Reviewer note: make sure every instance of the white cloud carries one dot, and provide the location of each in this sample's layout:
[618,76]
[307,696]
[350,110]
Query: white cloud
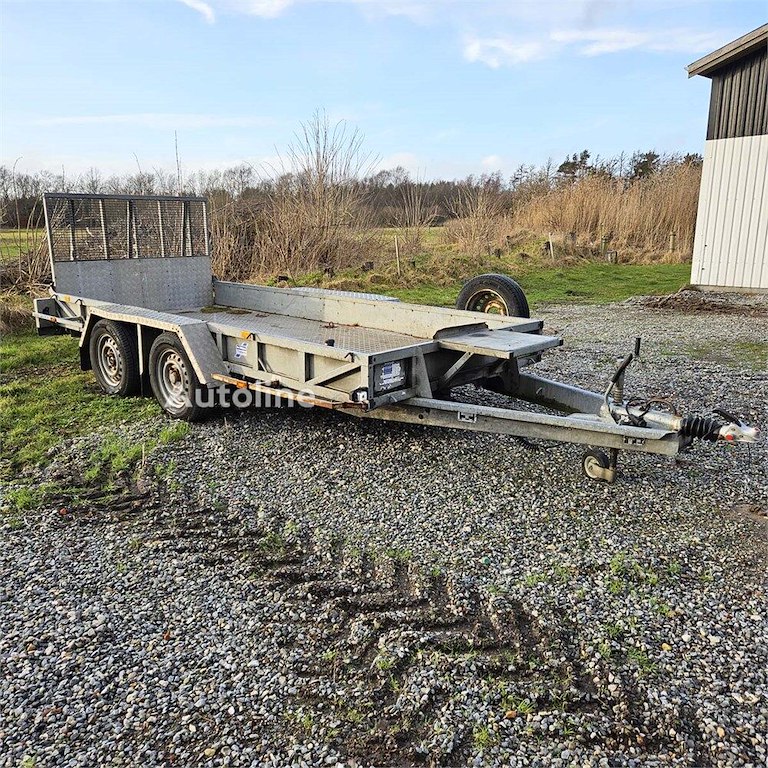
[160,121]
[499,51]
[406,160]
[492,162]
[267,9]
[600,40]
[612,40]
[503,50]
[270,9]
[202,8]
[415,11]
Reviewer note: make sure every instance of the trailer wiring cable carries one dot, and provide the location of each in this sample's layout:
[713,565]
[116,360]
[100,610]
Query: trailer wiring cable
[645,405]
[727,415]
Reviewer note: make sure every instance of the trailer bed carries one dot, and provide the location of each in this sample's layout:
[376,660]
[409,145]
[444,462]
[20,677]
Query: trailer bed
[354,338]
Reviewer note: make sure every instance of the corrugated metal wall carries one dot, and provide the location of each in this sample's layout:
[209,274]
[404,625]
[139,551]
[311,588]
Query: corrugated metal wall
[739,102]
[731,246]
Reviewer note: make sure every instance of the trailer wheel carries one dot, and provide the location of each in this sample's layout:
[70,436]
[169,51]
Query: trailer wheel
[493,294]
[173,378]
[592,462]
[113,349]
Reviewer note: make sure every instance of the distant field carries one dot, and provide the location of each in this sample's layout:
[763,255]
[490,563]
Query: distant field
[13,241]
[588,284]
[430,236]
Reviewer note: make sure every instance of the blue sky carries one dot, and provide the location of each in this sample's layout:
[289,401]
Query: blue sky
[442,87]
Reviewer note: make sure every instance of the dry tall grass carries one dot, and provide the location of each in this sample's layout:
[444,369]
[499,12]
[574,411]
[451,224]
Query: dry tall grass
[15,313]
[321,211]
[479,220]
[29,269]
[638,215]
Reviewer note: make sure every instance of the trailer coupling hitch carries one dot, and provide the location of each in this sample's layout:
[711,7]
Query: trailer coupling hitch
[712,428]
[720,425]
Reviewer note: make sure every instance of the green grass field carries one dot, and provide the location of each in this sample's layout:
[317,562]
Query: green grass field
[45,398]
[13,241]
[589,283]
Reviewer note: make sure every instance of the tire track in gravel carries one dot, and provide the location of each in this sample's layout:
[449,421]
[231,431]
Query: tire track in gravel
[381,614]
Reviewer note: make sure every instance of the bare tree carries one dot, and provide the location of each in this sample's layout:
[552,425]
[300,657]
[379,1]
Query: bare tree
[415,215]
[315,214]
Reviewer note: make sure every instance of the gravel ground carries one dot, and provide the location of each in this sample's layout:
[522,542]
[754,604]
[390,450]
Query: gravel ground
[295,587]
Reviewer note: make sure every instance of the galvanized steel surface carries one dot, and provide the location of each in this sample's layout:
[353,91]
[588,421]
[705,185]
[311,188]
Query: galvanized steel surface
[348,337]
[160,284]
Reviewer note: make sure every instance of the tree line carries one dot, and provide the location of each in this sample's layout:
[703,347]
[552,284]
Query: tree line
[390,197]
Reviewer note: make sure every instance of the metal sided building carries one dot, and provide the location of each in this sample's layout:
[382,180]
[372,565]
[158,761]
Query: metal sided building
[731,243]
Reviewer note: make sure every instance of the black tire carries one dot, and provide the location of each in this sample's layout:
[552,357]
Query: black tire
[113,349]
[173,379]
[493,294]
[592,458]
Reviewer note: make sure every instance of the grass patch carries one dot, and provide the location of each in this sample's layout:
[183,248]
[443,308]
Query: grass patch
[25,499]
[273,545]
[14,242]
[45,398]
[747,354]
[113,456]
[399,555]
[588,283]
[532,579]
[483,738]
[385,662]
[27,353]
[640,660]
[174,432]
[510,702]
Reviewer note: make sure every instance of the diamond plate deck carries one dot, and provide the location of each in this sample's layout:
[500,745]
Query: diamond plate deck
[499,343]
[365,341]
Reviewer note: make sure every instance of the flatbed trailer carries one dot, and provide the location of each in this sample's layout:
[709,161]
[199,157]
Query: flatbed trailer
[132,279]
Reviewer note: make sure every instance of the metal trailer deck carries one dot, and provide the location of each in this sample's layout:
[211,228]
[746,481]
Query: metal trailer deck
[132,279]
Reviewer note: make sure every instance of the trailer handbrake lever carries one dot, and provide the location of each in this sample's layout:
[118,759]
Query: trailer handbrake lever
[617,380]
[620,370]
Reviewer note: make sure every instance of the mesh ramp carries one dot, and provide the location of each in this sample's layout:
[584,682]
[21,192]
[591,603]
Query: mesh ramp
[126,249]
